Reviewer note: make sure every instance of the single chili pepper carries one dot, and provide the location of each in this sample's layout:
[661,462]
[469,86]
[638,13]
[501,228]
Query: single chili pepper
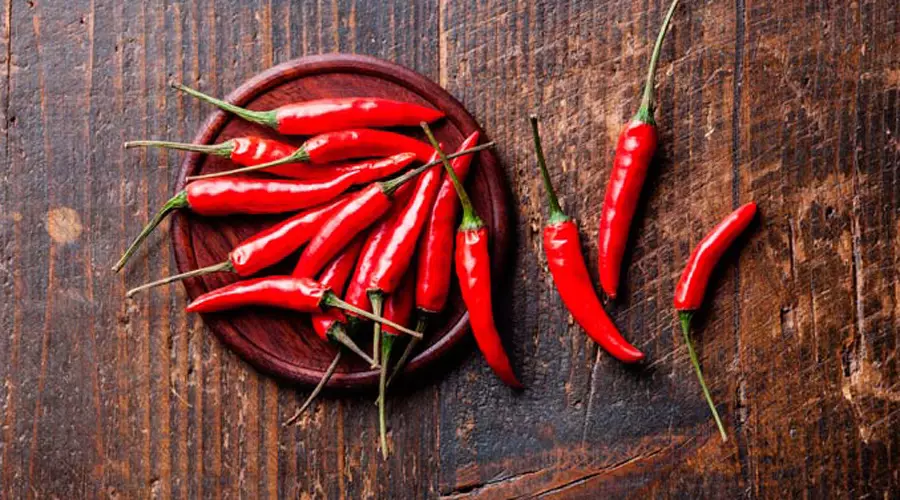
[251,151]
[285,292]
[339,146]
[473,269]
[692,285]
[634,151]
[367,206]
[328,115]
[435,256]
[562,245]
[398,308]
[396,251]
[246,151]
[243,196]
[331,323]
[266,248]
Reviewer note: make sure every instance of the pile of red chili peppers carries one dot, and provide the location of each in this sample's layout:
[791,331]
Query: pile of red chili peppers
[378,239]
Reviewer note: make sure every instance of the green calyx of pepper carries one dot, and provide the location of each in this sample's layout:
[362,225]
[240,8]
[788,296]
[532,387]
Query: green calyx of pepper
[648,104]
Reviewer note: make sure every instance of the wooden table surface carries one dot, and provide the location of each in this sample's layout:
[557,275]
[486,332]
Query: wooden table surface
[792,103]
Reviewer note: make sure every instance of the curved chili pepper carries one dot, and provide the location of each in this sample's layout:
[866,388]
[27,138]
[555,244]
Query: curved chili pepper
[330,324]
[285,292]
[398,308]
[343,145]
[692,285]
[473,269]
[635,149]
[244,196]
[434,263]
[330,114]
[562,245]
[266,248]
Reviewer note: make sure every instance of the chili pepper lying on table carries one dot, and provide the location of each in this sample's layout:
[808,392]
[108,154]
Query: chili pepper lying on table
[244,196]
[634,151]
[692,285]
[339,146]
[562,245]
[251,151]
[398,308]
[332,323]
[434,263]
[330,114]
[286,292]
[473,269]
[265,248]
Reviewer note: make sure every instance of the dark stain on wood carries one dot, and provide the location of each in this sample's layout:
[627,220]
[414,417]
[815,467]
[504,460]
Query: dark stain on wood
[792,103]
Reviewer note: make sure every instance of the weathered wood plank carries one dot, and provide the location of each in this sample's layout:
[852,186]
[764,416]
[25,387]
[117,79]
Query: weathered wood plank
[792,103]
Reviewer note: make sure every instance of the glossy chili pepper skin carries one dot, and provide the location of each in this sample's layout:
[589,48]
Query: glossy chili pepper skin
[302,295]
[328,114]
[271,246]
[260,196]
[398,306]
[473,270]
[357,289]
[366,171]
[248,151]
[635,149]
[335,276]
[562,245]
[434,264]
[367,206]
[400,245]
[695,277]
[362,143]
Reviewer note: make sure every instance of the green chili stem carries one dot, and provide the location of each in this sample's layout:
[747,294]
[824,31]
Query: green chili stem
[556,212]
[321,385]
[339,335]
[410,346]
[645,112]
[470,219]
[685,318]
[267,118]
[176,202]
[386,343]
[377,300]
[332,300]
[224,149]
[215,268]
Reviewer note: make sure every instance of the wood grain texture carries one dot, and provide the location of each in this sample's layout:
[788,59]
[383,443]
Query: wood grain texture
[792,103]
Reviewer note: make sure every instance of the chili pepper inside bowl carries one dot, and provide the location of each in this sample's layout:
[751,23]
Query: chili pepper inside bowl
[282,342]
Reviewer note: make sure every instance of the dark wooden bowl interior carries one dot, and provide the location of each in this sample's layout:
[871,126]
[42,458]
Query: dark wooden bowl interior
[281,342]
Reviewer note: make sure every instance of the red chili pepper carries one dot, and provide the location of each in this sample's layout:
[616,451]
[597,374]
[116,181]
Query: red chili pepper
[435,257]
[331,323]
[327,115]
[344,145]
[398,308]
[396,249]
[285,292]
[252,151]
[635,149]
[265,248]
[473,269]
[244,196]
[246,151]
[562,245]
[692,285]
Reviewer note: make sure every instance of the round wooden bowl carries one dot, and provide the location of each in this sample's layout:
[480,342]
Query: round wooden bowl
[282,342]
